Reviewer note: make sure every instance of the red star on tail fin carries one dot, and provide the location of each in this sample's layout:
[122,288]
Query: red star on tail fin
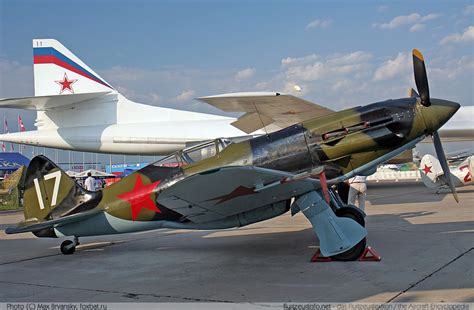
[65,83]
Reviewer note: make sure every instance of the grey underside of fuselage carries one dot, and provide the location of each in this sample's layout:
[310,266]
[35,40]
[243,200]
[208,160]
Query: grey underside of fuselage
[106,224]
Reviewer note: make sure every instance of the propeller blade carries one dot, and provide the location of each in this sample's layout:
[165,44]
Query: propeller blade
[444,164]
[421,79]
[412,93]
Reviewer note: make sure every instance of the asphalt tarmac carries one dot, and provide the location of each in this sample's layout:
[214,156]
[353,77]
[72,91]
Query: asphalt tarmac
[426,242]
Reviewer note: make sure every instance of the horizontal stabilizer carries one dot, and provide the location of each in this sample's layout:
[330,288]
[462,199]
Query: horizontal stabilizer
[44,103]
[36,226]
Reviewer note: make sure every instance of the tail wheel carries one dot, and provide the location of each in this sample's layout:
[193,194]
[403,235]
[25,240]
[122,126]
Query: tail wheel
[355,252]
[68,247]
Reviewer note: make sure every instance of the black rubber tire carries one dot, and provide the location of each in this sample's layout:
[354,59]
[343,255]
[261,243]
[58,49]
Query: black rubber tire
[352,254]
[353,213]
[66,251]
[356,251]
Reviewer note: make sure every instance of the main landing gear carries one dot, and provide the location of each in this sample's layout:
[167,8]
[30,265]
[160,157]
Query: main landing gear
[354,213]
[340,229]
[68,247]
[360,252]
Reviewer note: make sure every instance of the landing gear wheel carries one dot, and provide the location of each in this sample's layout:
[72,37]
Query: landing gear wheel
[352,254]
[68,247]
[355,252]
[352,213]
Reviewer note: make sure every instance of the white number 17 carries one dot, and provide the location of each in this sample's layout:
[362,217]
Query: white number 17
[57,176]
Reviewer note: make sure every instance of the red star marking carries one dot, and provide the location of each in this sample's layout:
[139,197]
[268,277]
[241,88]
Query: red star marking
[427,169]
[140,197]
[239,191]
[66,84]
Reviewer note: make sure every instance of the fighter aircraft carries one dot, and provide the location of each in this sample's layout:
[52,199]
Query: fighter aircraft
[218,185]
[433,176]
[78,110]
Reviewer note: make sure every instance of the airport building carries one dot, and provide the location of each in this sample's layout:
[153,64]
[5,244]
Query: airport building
[124,168]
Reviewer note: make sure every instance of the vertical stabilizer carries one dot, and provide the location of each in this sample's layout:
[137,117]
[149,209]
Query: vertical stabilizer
[431,170]
[49,193]
[57,71]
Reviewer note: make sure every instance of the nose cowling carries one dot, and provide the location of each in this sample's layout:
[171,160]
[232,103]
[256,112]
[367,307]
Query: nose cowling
[438,113]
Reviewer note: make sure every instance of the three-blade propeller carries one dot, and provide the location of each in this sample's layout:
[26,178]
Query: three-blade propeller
[421,81]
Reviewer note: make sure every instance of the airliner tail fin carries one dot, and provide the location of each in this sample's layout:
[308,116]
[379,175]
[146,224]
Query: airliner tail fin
[57,71]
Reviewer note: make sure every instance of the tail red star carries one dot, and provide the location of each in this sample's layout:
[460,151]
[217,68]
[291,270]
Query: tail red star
[66,84]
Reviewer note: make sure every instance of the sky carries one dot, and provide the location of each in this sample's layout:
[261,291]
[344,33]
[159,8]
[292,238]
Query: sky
[165,53]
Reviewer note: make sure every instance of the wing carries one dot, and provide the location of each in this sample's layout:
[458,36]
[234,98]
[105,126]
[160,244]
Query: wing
[41,103]
[265,108]
[219,193]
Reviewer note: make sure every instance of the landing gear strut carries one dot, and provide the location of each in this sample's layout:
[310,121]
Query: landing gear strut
[68,247]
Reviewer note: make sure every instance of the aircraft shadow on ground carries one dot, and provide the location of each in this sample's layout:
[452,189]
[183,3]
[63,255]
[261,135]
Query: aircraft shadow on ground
[399,193]
[407,193]
[402,244]
[407,215]
[282,256]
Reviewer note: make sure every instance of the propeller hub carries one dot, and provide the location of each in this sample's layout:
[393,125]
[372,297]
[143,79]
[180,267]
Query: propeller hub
[438,113]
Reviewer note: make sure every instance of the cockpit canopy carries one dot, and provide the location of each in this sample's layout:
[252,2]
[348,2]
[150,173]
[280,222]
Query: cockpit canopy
[194,153]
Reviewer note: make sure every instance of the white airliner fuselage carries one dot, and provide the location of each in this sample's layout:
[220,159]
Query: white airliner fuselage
[136,129]
[78,110]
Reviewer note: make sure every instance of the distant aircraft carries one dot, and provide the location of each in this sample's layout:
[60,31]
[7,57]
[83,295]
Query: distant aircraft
[217,185]
[460,127]
[78,110]
[433,176]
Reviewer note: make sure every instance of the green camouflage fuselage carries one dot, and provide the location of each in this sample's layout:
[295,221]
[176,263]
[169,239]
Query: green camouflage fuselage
[341,142]
[345,142]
